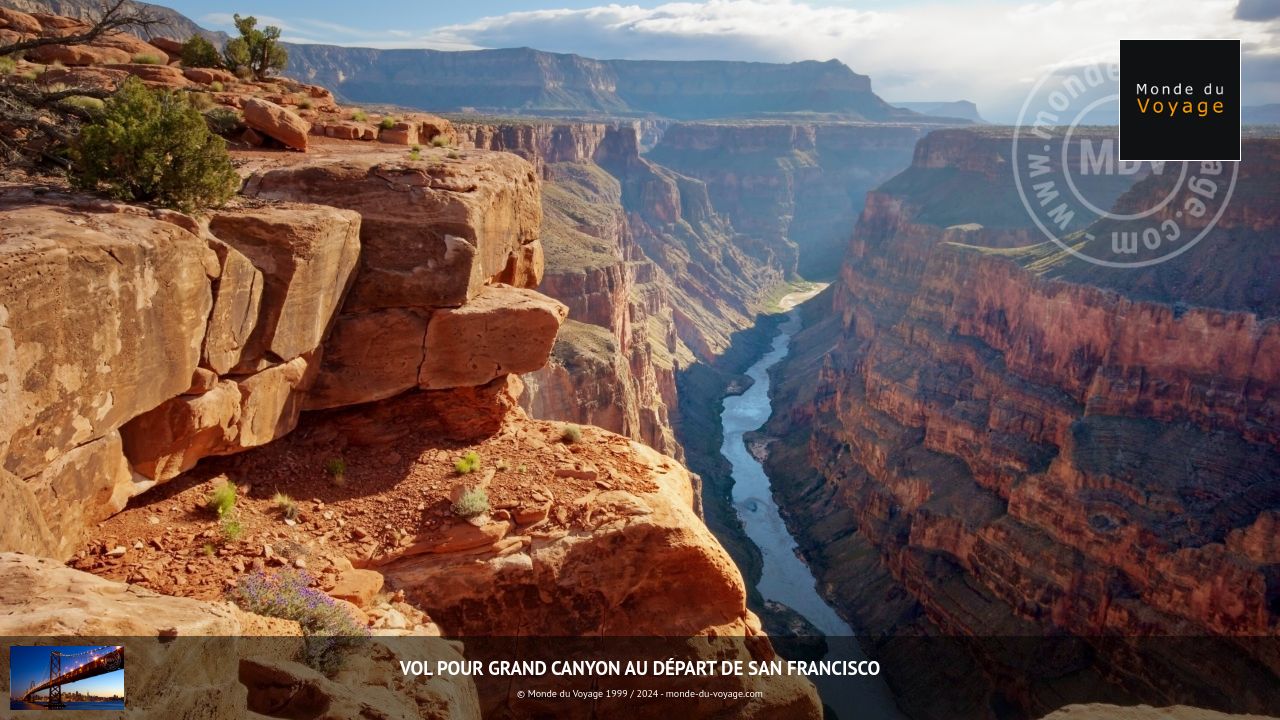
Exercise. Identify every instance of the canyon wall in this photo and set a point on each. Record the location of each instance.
(651, 272)
(981, 437)
(210, 337)
(793, 190)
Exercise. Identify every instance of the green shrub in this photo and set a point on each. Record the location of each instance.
(148, 59)
(202, 101)
(208, 550)
(200, 53)
(440, 141)
(153, 146)
(89, 105)
(570, 434)
(454, 155)
(415, 153)
(472, 503)
(231, 529)
(223, 120)
(7, 64)
(258, 52)
(468, 463)
(359, 116)
(337, 469)
(222, 501)
(286, 505)
(387, 123)
(329, 629)
(306, 104)
(217, 86)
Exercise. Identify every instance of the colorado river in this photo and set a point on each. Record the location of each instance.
(785, 578)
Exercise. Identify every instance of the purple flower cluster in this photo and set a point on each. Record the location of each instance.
(289, 594)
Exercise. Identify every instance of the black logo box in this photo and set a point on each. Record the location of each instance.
(1186, 64)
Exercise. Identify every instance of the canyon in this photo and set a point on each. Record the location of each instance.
(348, 330)
(1023, 481)
(1050, 473)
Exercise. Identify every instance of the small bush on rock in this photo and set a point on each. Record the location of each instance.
(337, 469)
(359, 116)
(147, 59)
(329, 629)
(473, 502)
(222, 501)
(200, 53)
(570, 434)
(231, 529)
(224, 121)
(286, 505)
(387, 123)
(440, 141)
(468, 463)
(90, 105)
(153, 146)
(7, 65)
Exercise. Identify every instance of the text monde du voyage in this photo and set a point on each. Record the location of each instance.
(1180, 99)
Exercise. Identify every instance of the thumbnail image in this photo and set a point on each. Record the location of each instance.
(66, 677)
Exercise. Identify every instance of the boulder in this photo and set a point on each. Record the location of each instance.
(102, 317)
(97, 478)
(236, 305)
(307, 255)
(358, 587)
(432, 126)
(503, 330)
(165, 76)
(431, 237)
(24, 529)
(276, 122)
(369, 356)
(19, 22)
(78, 55)
(169, 45)
(232, 417)
(53, 23)
(173, 670)
(133, 45)
(525, 266)
(85, 77)
(347, 130)
(402, 133)
(208, 76)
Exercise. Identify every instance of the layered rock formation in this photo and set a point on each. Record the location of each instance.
(983, 437)
(209, 338)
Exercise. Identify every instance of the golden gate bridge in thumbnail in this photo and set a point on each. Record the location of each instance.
(66, 668)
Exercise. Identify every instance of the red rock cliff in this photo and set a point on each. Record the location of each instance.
(1025, 447)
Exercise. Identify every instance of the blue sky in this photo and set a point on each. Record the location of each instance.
(32, 663)
(987, 51)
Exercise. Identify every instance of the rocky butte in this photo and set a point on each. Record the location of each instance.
(1064, 473)
(343, 343)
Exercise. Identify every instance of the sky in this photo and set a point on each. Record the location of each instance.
(986, 51)
(32, 663)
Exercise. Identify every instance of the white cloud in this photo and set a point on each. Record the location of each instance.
(988, 51)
